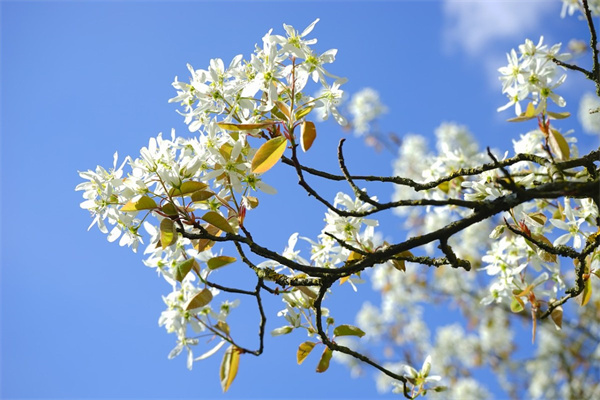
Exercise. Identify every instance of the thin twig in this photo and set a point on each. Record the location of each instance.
(343, 349)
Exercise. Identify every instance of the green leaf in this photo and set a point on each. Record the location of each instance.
(202, 195)
(229, 367)
(276, 112)
(304, 350)
(444, 187)
(530, 110)
(348, 330)
(244, 127)
(283, 109)
(252, 202)
(268, 154)
(183, 268)
(558, 144)
(220, 261)
(201, 299)
(169, 209)
(304, 111)
(223, 327)
(557, 315)
(205, 244)
(225, 150)
(538, 217)
(548, 257)
(586, 295)
(168, 234)
(525, 116)
(283, 330)
(400, 265)
(187, 187)
(558, 115)
(324, 361)
(308, 133)
(216, 220)
(308, 292)
(143, 203)
(516, 305)
(354, 256)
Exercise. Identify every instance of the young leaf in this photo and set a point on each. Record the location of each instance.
(525, 116)
(244, 127)
(530, 110)
(187, 188)
(516, 305)
(205, 244)
(183, 268)
(304, 350)
(558, 144)
(220, 261)
(252, 202)
(143, 203)
(202, 195)
(201, 298)
(276, 112)
(168, 234)
(539, 217)
(268, 154)
(308, 133)
(280, 106)
(169, 209)
(225, 150)
(348, 330)
(558, 115)
(309, 293)
(354, 256)
(216, 220)
(324, 361)
(557, 315)
(586, 295)
(548, 257)
(444, 187)
(282, 330)
(520, 118)
(229, 367)
(301, 113)
(223, 327)
(400, 265)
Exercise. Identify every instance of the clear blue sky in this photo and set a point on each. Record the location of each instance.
(80, 80)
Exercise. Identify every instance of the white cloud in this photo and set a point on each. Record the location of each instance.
(478, 27)
(474, 25)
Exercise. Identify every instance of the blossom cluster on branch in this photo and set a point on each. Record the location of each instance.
(503, 237)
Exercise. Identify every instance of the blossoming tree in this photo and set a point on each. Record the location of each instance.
(528, 220)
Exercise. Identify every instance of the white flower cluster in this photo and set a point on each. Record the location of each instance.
(532, 75)
(178, 187)
(456, 149)
(326, 252)
(175, 179)
(245, 91)
(516, 269)
(217, 164)
(155, 187)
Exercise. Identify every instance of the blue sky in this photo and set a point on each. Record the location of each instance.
(80, 80)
